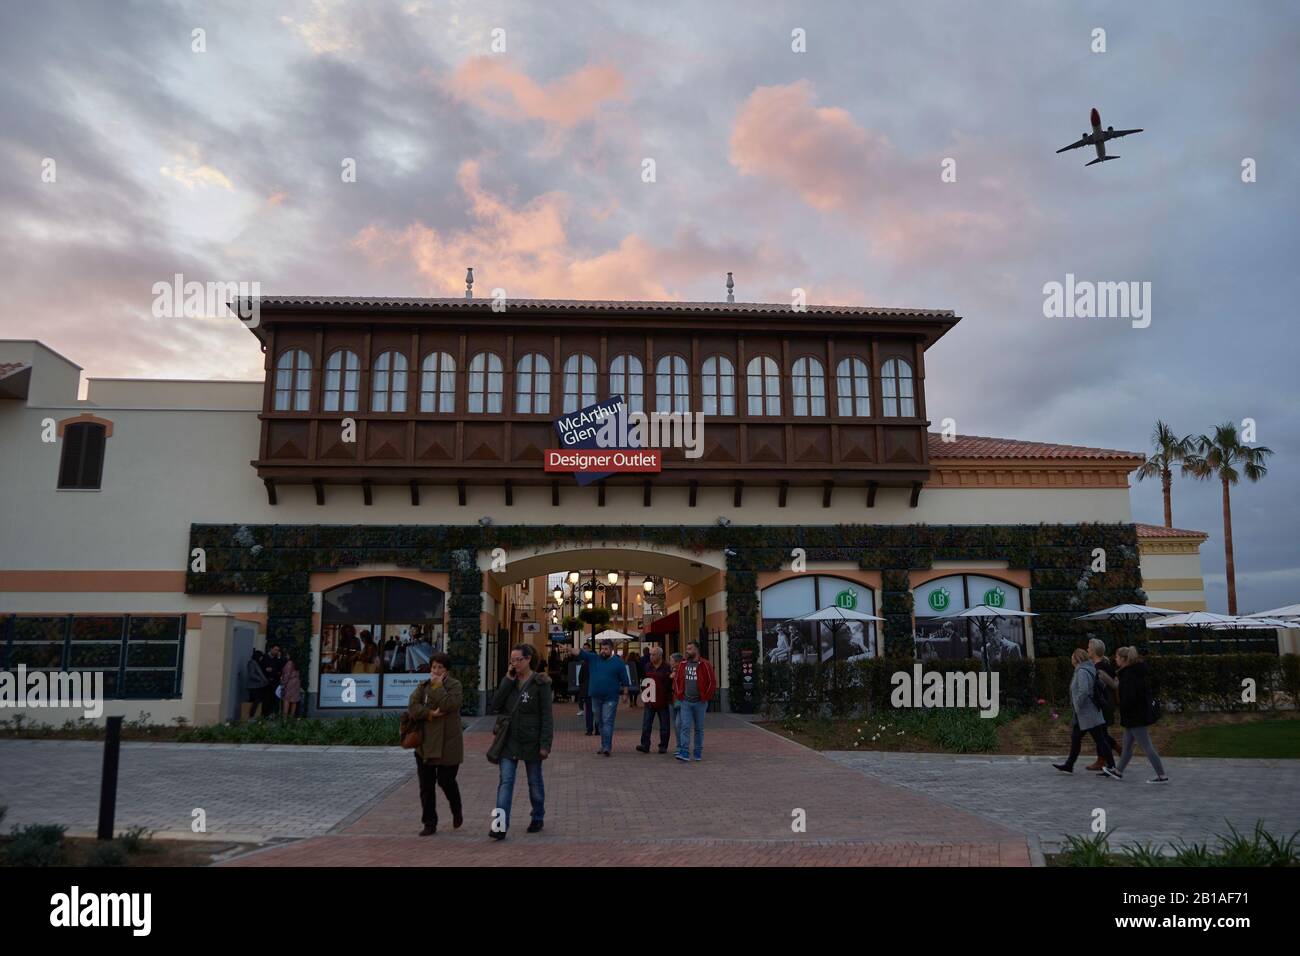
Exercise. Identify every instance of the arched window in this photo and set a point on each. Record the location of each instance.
(293, 381)
(579, 381)
(808, 387)
(388, 384)
(853, 386)
(342, 379)
(485, 382)
(533, 384)
(939, 634)
(626, 379)
(896, 389)
(763, 386)
(719, 384)
(672, 385)
(438, 383)
(787, 640)
(81, 457)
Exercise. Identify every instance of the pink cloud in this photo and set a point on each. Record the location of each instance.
(527, 251)
(491, 84)
(820, 152)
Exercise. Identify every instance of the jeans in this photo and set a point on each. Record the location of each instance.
(677, 722)
(1100, 738)
(605, 708)
(431, 776)
(506, 787)
(647, 724)
(1140, 735)
(692, 719)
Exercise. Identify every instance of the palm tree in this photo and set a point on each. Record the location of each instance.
(1169, 450)
(1219, 456)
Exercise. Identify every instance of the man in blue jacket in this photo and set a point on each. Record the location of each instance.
(608, 679)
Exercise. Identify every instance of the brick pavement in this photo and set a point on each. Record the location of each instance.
(733, 808)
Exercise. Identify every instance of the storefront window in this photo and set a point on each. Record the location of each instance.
(790, 641)
(937, 637)
(377, 635)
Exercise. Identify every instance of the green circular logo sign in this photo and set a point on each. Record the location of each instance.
(847, 599)
(939, 599)
(995, 597)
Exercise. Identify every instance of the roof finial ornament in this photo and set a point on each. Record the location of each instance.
(469, 283)
(731, 285)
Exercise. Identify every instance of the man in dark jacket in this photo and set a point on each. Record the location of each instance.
(524, 694)
(255, 684)
(658, 699)
(584, 687)
(272, 667)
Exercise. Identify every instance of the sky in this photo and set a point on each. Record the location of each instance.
(220, 156)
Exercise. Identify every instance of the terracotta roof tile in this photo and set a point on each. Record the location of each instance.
(975, 446)
(596, 305)
(1160, 531)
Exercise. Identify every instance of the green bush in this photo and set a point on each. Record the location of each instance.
(136, 840)
(110, 853)
(380, 730)
(39, 844)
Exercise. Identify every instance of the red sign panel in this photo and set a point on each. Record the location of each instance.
(641, 460)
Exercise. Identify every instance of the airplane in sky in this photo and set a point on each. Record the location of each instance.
(1098, 138)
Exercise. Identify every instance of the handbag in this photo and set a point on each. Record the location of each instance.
(410, 729)
(502, 729)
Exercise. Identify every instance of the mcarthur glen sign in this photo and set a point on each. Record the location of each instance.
(606, 438)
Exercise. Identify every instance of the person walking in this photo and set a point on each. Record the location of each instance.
(524, 695)
(1137, 711)
(290, 689)
(1105, 671)
(584, 689)
(674, 659)
(694, 684)
(435, 707)
(272, 667)
(255, 684)
(1085, 692)
(634, 672)
(608, 681)
(660, 702)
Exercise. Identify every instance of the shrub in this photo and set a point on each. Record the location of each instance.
(136, 840)
(110, 853)
(39, 844)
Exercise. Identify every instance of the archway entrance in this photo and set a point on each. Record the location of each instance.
(646, 596)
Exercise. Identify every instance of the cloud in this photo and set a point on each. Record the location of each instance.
(818, 151)
(528, 252)
(190, 171)
(492, 85)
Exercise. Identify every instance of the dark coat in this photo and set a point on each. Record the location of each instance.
(442, 742)
(1135, 695)
(532, 729)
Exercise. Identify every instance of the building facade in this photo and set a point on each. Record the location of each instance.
(382, 491)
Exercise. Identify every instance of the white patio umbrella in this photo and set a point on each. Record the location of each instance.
(1290, 611)
(984, 617)
(609, 634)
(1259, 623)
(835, 613)
(1193, 619)
(1126, 612)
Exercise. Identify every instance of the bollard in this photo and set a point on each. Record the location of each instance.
(108, 780)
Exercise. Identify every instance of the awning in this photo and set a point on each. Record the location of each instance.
(666, 625)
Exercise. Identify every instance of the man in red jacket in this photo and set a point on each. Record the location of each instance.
(694, 684)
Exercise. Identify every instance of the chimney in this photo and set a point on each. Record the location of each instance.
(469, 283)
(731, 285)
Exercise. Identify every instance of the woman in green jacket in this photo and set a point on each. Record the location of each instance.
(524, 694)
(435, 705)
